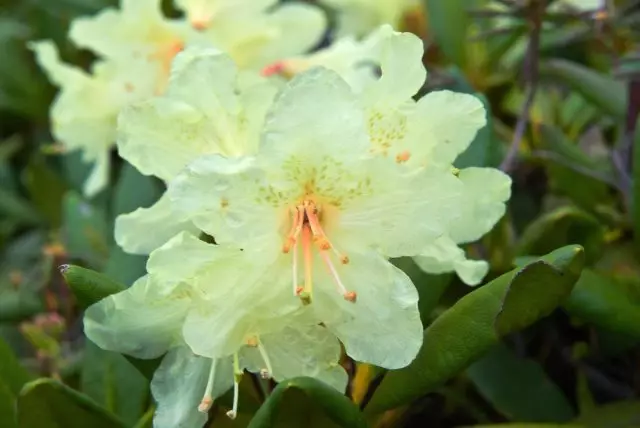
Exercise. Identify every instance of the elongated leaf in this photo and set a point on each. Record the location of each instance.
(603, 91)
(89, 286)
(46, 403)
(338, 407)
(449, 22)
(606, 303)
(563, 226)
(7, 407)
(535, 291)
(12, 373)
(19, 305)
(46, 190)
(462, 334)
(85, 230)
(519, 388)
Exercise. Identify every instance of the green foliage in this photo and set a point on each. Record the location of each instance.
(551, 343)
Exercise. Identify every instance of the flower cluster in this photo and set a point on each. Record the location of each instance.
(291, 184)
(136, 45)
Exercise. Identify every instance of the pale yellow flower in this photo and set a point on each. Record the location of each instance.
(359, 17)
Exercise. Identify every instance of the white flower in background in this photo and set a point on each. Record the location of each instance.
(315, 204)
(199, 301)
(207, 108)
(359, 17)
(83, 116)
(256, 32)
(136, 45)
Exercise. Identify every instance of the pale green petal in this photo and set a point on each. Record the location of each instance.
(246, 298)
(145, 229)
(206, 12)
(486, 191)
(442, 126)
(178, 386)
(304, 350)
(99, 176)
(230, 200)
(160, 136)
(383, 326)
(445, 256)
(403, 73)
(299, 27)
(142, 321)
(58, 72)
(314, 117)
(398, 211)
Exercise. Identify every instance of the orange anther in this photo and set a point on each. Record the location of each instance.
(275, 68)
(299, 290)
(205, 405)
(403, 157)
(252, 341)
(350, 296)
(323, 243)
(344, 260)
(200, 25)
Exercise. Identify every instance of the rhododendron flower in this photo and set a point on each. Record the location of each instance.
(207, 108)
(359, 17)
(136, 45)
(165, 313)
(423, 135)
(330, 212)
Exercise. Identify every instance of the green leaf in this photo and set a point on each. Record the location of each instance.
(607, 303)
(16, 207)
(134, 190)
(563, 226)
(85, 231)
(465, 332)
(449, 22)
(89, 286)
(336, 406)
(519, 388)
(601, 90)
(46, 190)
(535, 291)
(7, 407)
(12, 373)
(46, 403)
(18, 305)
(112, 381)
(624, 414)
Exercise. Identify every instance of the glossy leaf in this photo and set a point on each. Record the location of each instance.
(563, 226)
(606, 303)
(603, 91)
(336, 406)
(519, 388)
(466, 331)
(89, 286)
(46, 403)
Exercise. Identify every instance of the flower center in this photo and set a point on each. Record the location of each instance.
(164, 56)
(306, 231)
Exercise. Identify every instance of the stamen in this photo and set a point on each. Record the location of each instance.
(351, 296)
(275, 68)
(308, 264)
(294, 271)
(265, 374)
(296, 227)
(252, 341)
(314, 222)
(207, 399)
(237, 377)
(403, 157)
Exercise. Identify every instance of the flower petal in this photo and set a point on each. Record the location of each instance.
(300, 350)
(399, 211)
(314, 117)
(445, 256)
(99, 176)
(179, 384)
(486, 190)
(442, 126)
(383, 326)
(145, 229)
(230, 199)
(142, 321)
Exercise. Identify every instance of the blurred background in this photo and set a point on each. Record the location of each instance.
(562, 87)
